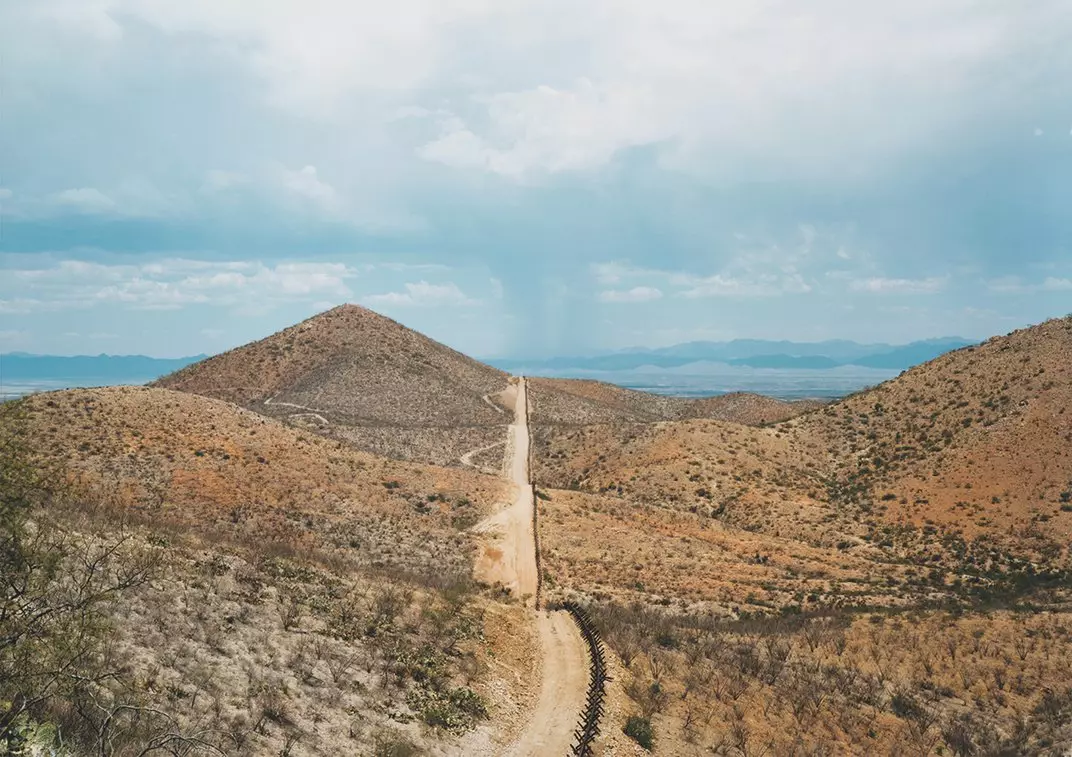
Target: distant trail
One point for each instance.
(271, 401)
(310, 410)
(510, 558)
(467, 458)
(497, 408)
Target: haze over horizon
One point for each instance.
(182, 179)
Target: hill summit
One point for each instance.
(350, 365)
(360, 377)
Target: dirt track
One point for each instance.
(509, 557)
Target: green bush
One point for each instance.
(640, 730)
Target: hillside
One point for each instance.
(197, 463)
(977, 441)
(358, 376)
(578, 402)
(352, 366)
(889, 574)
(301, 596)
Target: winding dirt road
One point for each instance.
(509, 557)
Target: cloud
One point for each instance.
(636, 294)
(722, 81)
(1016, 285)
(218, 180)
(422, 294)
(13, 336)
(757, 273)
(5, 193)
(761, 285)
(85, 200)
(878, 285)
(558, 86)
(552, 130)
(305, 184)
(172, 284)
(131, 198)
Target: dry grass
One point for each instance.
(191, 462)
(578, 402)
(313, 599)
(886, 575)
(355, 375)
(914, 683)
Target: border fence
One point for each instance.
(588, 726)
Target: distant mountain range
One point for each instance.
(21, 366)
(752, 353)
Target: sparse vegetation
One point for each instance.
(639, 729)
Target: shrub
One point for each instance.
(56, 590)
(389, 744)
(640, 730)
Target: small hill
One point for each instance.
(973, 447)
(296, 590)
(354, 366)
(979, 439)
(362, 378)
(914, 537)
(207, 465)
(581, 402)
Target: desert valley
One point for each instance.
(347, 538)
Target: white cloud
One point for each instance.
(552, 130)
(613, 273)
(305, 183)
(422, 294)
(131, 198)
(879, 285)
(636, 294)
(550, 85)
(758, 273)
(85, 200)
(1016, 285)
(171, 284)
(10, 337)
(5, 193)
(726, 79)
(218, 180)
(721, 285)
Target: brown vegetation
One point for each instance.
(889, 574)
(304, 597)
(357, 376)
(581, 402)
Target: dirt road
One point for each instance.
(509, 557)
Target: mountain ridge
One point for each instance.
(753, 353)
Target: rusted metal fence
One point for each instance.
(535, 509)
(588, 726)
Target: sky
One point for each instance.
(528, 178)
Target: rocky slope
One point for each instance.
(306, 597)
(357, 376)
(889, 574)
(583, 402)
(350, 365)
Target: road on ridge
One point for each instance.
(509, 557)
